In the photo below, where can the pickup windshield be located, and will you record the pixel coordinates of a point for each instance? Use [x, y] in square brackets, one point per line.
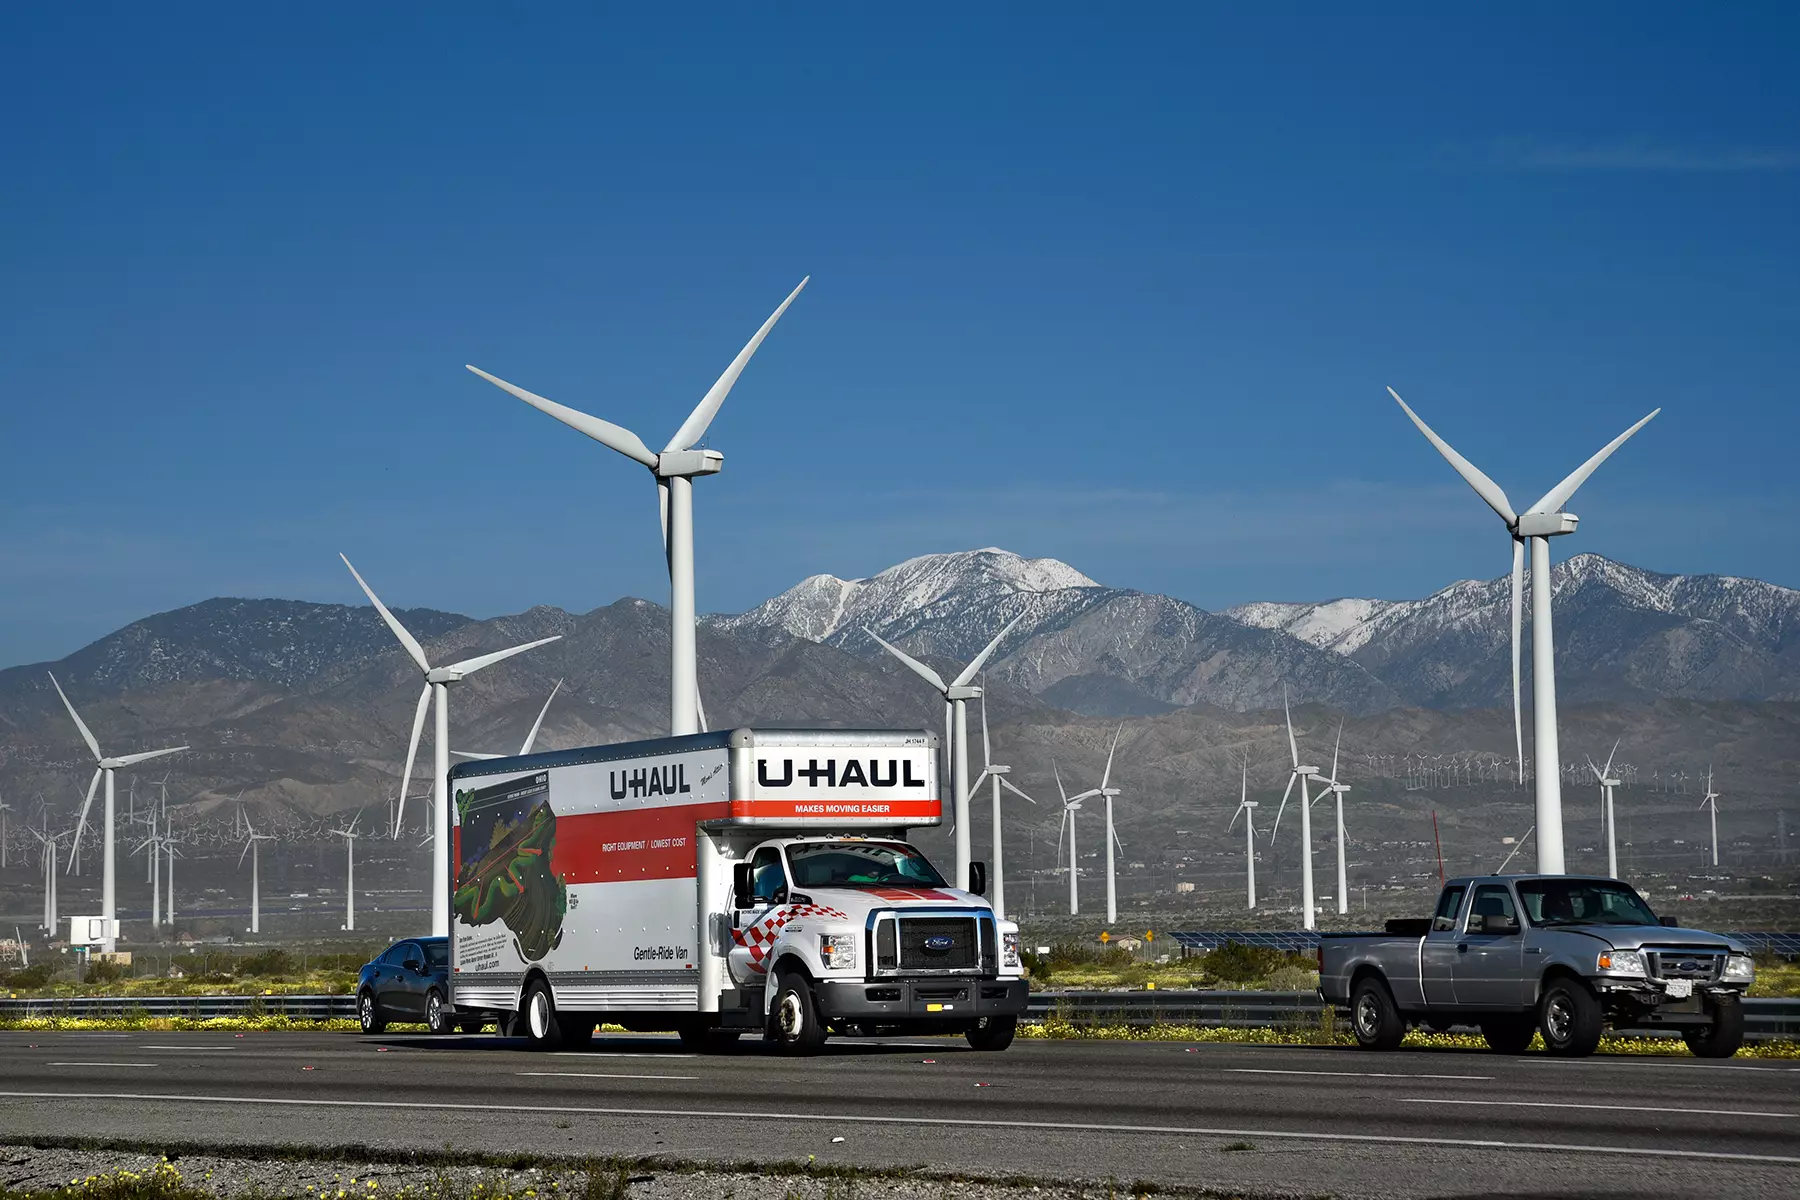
[860, 864]
[1550, 902]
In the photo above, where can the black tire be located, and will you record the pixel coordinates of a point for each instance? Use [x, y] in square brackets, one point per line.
[537, 1021]
[703, 1039]
[1570, 1018]
[1508, 1035]
[1722, 1038]
[470, 1024]
[1374, 1019]
[369, 1014]
[794, 1024]
[993, 1033]
[438, 1018]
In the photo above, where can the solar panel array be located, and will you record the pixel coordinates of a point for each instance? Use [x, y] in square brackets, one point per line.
[1304, 941]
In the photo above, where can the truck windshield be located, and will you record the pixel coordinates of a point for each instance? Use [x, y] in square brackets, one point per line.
[860, 864]
[1582, 902]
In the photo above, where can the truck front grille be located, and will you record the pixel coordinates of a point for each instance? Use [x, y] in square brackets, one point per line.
[938, 944]
[1701, 966]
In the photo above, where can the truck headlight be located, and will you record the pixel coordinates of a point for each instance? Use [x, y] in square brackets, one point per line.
[1009, 949]
[838, 950]
[1621, 962]
[1740, 968]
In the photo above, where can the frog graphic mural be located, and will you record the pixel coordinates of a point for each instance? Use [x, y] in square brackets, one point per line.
[506, 835]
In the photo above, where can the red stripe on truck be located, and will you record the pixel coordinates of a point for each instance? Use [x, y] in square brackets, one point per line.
[636, 843]
[829, 810]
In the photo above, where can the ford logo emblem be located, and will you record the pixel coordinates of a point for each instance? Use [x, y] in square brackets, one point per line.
[1687, 965]
[939, 942]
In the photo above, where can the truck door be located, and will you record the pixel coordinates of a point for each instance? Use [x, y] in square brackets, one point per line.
[1490, 953]
[754, 929]
[1437, 954]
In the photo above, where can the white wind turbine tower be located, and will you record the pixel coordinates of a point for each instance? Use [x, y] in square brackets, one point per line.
[1712, 802]
[349, 834]
[530, 738]
[1333, 787]
[1071, 806]
[4, 809]
[49, 840]
[1309, 919]
[957, 694]
[1247, 809]
[253, 847]
[152, 846]
[437, 683]
[173, 854]
[1607, 783]
[1112, 837]
[1537, 524]
[997, 774]
[675, 470]
[106, 766]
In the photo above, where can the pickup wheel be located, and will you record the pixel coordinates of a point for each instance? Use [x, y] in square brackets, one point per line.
[1571, 1019]
[794, 1024]
[1722, 1038]
[1508, 1035]
[1373, 1017]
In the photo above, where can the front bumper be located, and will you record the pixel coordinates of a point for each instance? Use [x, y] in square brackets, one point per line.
[937, 999]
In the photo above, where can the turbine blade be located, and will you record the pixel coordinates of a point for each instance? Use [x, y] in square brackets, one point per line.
[469, 666]
[81, 823]
[1598, 774]
[1484, 487]
[920, 669]
[694, 428]
[470, 754]
[1060, 790]
[406, 639]
[1556, 497]
[1106, 775]
[1286, 792]
[1334, 749]
[86, 735]
[987, 751]
[613, 437]
[969, 671]
[129, 759]
[1609, 757]
[248, 842]
[1238, 812]
[1015, 789]
[1293, 746]
[975, 784]
[412, 752]
[1518, 602]
[531, 738]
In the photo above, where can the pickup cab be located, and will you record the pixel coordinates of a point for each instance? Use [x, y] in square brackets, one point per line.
[1568, 956]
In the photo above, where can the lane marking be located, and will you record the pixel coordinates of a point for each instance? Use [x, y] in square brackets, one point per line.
[98, 1064]
[931, 1122]
[1677, 1065]
[594, 1075]
[191, 1049]
[1645, 1108]
[1349, 1074]
[615, 1054]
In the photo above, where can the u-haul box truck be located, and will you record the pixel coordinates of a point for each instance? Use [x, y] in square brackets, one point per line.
[719, 883]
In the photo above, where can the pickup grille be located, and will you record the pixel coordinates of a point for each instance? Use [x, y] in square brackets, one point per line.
[938, 944]
[1701, 966]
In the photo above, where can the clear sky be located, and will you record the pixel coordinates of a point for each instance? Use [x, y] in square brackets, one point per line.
[1120, 287]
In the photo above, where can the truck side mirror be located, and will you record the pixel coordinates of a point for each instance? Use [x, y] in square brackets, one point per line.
[741, 893]
[1671, 922]
[978, 878]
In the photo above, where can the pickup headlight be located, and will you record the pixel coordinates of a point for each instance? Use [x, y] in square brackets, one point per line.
[1621, 962]
[1740, 968]
[1009, 949]
[838, 950]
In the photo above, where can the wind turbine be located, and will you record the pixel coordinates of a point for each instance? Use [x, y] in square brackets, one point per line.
[152, 846]
[1537, 524]
[1338, 789]
[349, 834]
[253, 847]
[1712, 802]
[675, 470]
[106, 766]
[49, 841]
[1517, 846]
[1071, 806]
[530, 738]
[1607, 783]
[1112, 837]
[173, 853]
[437, 683]
[4, 809]
[1247, 809]
[957, 693]
[1302, 773]
[998, 775]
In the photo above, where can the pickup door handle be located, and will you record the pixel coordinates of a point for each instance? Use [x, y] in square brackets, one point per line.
[1534, 950]
[1462, 947]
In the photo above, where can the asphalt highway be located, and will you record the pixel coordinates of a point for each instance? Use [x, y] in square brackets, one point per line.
[1266, 1120]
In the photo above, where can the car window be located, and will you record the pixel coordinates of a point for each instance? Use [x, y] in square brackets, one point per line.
[1583, 902]
[1448, 906]
[1492, 900]
[396, 955]
[768, 880]
[437, 953]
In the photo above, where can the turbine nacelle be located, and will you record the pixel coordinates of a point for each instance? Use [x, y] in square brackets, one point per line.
[1550, 524]
[685, 464]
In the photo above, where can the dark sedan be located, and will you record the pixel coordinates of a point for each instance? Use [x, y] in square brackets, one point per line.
[409, 981]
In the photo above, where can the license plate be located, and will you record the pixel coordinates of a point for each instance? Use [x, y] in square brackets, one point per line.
[1678, 989]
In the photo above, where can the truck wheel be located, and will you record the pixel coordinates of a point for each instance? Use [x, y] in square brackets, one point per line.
[368, 1013]
[537, 1017]
[1508, 1035]
[794, 1024]
[1722, 1038]
[993, 1033]
[1571, 1019]
[437, 1013]
[1373, 1017]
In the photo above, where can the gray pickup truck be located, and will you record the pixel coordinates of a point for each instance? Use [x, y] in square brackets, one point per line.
[1561, 954]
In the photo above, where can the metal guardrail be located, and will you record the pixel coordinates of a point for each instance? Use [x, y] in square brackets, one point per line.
[1305, 941]
[1764, 1020]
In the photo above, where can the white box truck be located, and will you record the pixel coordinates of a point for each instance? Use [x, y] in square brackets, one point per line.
[721, 883]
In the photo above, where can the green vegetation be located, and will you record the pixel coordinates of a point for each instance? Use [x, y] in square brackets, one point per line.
[1075, 966]
[271, 972]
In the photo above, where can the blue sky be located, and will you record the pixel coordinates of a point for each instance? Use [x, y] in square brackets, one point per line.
[1120, 289]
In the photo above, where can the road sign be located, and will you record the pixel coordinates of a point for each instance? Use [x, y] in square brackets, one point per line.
[1105, 937]
[1149, 935]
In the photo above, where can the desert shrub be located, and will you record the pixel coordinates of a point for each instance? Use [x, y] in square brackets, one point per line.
[101, 971]
[273, 961]
[31, 977]
[1238, 963]
[1040, 968]
[1289, 978]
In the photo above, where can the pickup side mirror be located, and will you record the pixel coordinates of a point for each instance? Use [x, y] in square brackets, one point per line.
[741, 893]
[1671, 922]
[978, 878]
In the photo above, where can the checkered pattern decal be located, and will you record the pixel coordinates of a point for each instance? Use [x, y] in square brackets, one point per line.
[759, 939]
